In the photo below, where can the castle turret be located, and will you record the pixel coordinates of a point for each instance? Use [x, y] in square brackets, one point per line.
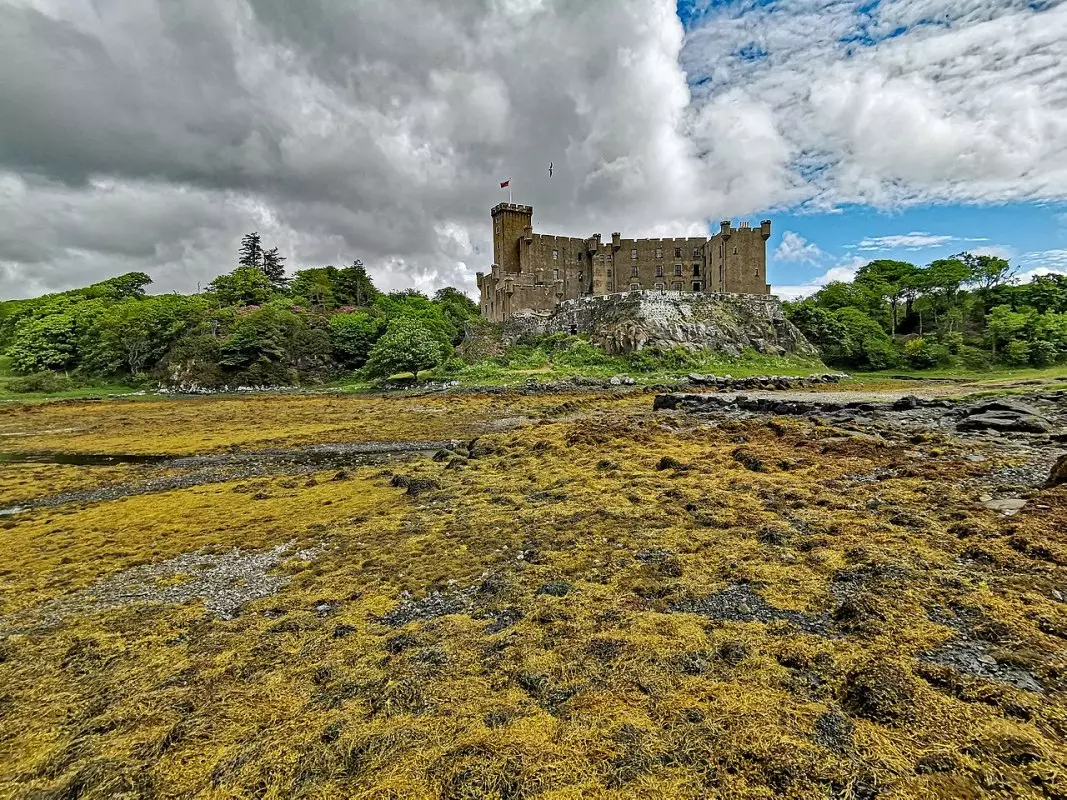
[765, 229]
[511, 222]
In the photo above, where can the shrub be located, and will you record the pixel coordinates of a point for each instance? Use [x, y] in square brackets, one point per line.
[658, 359]
[44, 382]
[408, 345]
[975, 359]
[1043, 354]
[1017, 353]
[923, 354]
[582, 354]
[353, 335]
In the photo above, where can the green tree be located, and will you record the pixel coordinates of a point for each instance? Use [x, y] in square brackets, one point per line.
[251, 251]
[987, 272]
[273, 266]
[408, 345]
[315, 287]
[864, 345]
[457, 308]
[890, 280]
[353, 335]
[942, 281]
[1004, 325]
[135, 334]
[819, 325]
[42, 343]
[245, 286]
[353, 286]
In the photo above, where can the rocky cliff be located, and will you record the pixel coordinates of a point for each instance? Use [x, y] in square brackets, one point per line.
[624, 322]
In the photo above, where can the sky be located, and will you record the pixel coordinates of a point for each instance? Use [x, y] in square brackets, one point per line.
[150, 136]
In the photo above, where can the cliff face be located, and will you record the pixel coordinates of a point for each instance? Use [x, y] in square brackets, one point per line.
[624, 322]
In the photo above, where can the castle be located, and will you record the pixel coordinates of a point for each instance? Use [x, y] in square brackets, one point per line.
[535, 272]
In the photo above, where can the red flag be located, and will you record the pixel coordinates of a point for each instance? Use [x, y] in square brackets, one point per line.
[506, 184]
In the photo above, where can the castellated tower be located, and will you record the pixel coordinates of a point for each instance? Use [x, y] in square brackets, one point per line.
[535, 271]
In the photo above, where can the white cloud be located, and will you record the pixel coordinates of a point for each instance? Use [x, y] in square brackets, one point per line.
[898, 102]
[151, 135]
[916, 240]
[844, 272]
[795, 247]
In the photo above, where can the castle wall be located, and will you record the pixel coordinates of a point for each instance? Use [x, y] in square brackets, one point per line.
[535, 271]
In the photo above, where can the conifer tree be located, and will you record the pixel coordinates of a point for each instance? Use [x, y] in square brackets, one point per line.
[273, 265]
[251, 253]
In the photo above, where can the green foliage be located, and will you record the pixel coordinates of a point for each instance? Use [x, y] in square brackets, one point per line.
[656, 359]
[353, 335]
[582, 354]
[40, 383]
[408, 345]
[1017, 353]
[922, 353]
[819, 324]
[245, 286]
[44, 343]
[864, 345]
[132, 335]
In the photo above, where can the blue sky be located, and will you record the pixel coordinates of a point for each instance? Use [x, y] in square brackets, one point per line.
[859, 189]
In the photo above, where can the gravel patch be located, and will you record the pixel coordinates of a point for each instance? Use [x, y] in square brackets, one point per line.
[223, 582]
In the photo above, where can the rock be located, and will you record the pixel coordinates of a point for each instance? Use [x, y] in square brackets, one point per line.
[1004, 421]
[1058, 474]
[1008, 506]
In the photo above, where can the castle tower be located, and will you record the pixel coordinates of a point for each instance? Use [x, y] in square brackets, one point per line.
[511, 222]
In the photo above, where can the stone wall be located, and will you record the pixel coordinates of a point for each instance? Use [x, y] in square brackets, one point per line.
[628, 321]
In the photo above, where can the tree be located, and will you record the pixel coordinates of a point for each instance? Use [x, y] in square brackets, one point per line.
[408, 345]
[942, 280]
[245, 286]
[987, 272]
[890, 280]
[457, 308]
[44, 343]
[819, 325]
[251, 252]
[273, 266]
[1004, 325]
[135, 334]
[353, 286]
[353, 335]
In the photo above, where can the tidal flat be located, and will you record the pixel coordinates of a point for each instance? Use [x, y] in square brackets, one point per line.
[531, 595]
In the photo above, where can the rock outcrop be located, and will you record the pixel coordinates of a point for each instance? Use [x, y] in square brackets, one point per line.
[629, 321]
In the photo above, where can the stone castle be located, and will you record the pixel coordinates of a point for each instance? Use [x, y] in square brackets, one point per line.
[535, 272]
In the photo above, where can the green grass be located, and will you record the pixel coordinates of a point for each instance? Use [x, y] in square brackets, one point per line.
[89, 389]
[1057, 372]
[539, 367]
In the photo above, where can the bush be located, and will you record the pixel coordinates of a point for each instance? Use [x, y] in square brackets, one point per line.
[582, 354]
[353, 335]
[409, 345]
[1043, 354]
[657, 359]
[43, 382]
[923, 354]
[1016, 353]
[976, 359]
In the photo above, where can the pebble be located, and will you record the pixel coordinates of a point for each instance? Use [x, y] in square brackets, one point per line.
[1057, 595]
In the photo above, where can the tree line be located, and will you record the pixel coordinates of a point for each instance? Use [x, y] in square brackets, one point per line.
[253, 326]
[966, 311]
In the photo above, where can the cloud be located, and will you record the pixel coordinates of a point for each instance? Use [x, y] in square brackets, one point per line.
[916, 240]
[376, 130]
[897, 102]
[844, 272]
[151, 135]
[795, 247]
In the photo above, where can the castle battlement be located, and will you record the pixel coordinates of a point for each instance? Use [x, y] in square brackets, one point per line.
[537, 272]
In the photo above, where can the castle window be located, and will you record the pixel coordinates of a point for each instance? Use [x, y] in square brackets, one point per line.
[579, 256]
[696, 252]
[633, 254]
[659, 271]
[676, 286]
[633, 272]
[659, 252]
[696, 286]
[610, 272]
[677, 252]
[735, 251]
[696, 270]
[677, 269]
[659, 287]
[635, 287]
[555, 255]
[555, 274]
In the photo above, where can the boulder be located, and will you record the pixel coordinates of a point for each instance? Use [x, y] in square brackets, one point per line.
[1058, 474]
[1004, 421]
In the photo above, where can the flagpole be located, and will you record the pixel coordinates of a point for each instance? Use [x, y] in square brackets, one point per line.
[509, 192]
